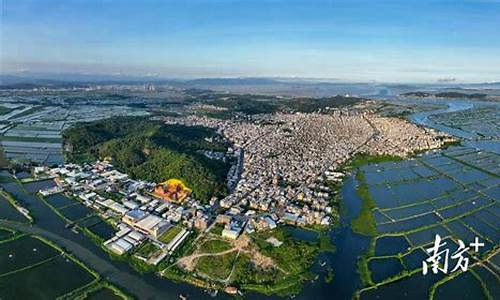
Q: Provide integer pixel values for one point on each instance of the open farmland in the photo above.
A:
(454, 193)
(32, 132)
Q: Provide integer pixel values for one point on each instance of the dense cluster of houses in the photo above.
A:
(284, 165)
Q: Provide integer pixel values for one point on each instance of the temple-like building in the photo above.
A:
(172, 190)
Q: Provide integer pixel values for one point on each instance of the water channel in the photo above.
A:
(349, 245)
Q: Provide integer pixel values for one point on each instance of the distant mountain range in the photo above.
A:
(64, 80)
(233, 81)
(447, 95)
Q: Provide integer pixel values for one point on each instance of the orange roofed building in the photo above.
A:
(172, 190)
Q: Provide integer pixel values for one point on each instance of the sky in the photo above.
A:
(350, 40)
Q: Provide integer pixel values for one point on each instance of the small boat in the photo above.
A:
(182, 297)
(322, 263)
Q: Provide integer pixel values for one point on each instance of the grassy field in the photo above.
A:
(216, 267)
(170, 234)
(214, 246)
(147, 249)
(365, 222)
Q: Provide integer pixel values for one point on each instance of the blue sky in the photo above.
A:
(400, 40)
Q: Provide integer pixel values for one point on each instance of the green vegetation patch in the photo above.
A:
(215, 246)
(252, 277)
(293, 256)
(104, 293)
(217, 229)
(292, 259)
(216, 267)
(170, 234)
(360, 160)
(263, 104)
(4, 162)
(325, 243)
(153, 151)
(147, 249)
(364, 223)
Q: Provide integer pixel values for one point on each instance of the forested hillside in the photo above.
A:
(151, 150)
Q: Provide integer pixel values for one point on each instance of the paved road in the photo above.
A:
(132, 283)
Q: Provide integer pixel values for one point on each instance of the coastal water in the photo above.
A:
(349, 246)
(422, 118)
(51, 226)
(469, 139)
(343, 262)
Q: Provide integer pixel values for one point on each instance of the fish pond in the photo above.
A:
(25, 263)
(453, 193)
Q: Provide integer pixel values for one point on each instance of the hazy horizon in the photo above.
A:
(350, 41)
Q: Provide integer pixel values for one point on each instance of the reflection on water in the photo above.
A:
(470, 139)
(422, 118)
(487, 145)
(119, 272)
(349, 247)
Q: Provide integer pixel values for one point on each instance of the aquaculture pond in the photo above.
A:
(454, 194)
(103, 294)
(465, 286)
(349, 246)
(302, 234)
(9, 212)
(384, 268)
(102, 229)
(5, 234)
(32, 269)
(35, 186)
(33, 283)
(23, 252)
(87, 222)
(52, 226)
(416, 287)
(415, 199)
(487, 274)
(39, 151)
(59, 200)
(391, 245)
(76, 211)
(23, 175)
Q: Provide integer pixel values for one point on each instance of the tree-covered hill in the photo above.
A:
(153, 151)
